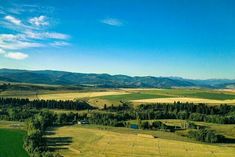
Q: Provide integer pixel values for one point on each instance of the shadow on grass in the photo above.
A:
(229, 140)
(57, 143)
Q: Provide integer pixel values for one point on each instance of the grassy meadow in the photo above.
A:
(114, 142)
(11, 139)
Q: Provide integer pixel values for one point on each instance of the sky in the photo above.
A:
(186, 38)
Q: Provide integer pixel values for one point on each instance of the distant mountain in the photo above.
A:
(210, 83)
(226, 85)
(106, 80)
(99, 80)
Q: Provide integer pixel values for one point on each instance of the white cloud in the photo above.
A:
(11, 37)
(16, 55)
(39, 21)
(59, 43)
(28, 33)
(46, 35)
(31, 40)
(17, 42)
(112, 22)
(55, 35)
(2, 51)
(17, 45)
(13, 20)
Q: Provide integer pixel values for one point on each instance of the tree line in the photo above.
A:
(221, 114)
(49, 104)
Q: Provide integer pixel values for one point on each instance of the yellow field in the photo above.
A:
(11, 125)
(100, 97)
(77, 95)
(87, 142)
(228, 90)
(183, 100)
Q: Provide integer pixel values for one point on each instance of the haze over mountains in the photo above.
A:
(106, 80)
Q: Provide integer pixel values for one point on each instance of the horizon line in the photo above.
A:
(171, 77)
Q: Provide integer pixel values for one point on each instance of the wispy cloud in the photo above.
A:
(112, 22)
(39, 21)
(18, 45)
(13, 20)
(59, 43)
(28, 32)
(16, 55)
(17, 9)
(16, 42)
(46, 35)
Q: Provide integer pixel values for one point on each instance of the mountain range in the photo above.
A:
(106, 80)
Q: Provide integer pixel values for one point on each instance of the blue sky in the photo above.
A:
(186, 38)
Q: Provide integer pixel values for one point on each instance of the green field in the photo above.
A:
(11, 143)
(138, 96)
(133, 96)
(161, 93)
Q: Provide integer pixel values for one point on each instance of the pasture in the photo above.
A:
(99, 97)
(209, 96)
(11, 139)
(115, 142)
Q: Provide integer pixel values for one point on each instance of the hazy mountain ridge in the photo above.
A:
(104, 80)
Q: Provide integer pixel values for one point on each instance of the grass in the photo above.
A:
(11, 125)
(228, 130)
(76, 95)
(171, 95)
(184, 100)
(214, 96)
(99, 97)
(133, 96)
(88, 141)
(196, 93)
(11, 143)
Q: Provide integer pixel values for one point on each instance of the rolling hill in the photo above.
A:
(101, 80)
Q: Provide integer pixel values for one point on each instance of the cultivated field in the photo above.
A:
(184, 100)
(138, 96)
(99, 97)
(89, 142)
(78, 95)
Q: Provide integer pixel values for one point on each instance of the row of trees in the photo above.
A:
(206, 135)
(156, 125)
(34, 143)
(49, 104)
(24, 114)
(222, 114)
(189, 108)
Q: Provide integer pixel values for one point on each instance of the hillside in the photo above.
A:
(99, 80)
(106, 80)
